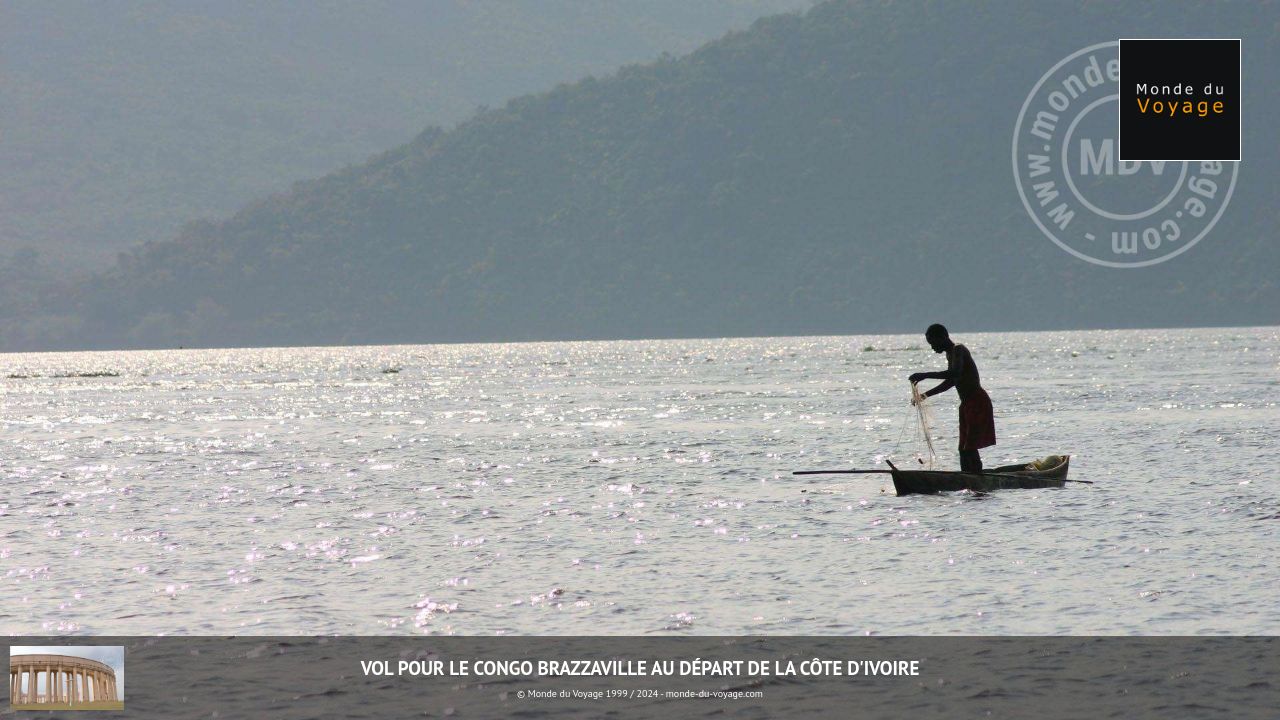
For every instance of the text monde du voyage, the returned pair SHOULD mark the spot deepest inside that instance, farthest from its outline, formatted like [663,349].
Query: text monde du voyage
[616,667]
[1179,99]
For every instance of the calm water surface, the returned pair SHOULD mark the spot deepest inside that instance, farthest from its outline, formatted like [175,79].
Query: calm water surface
[636,487]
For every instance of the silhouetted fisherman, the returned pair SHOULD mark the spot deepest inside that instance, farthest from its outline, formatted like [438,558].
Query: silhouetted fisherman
[977,419]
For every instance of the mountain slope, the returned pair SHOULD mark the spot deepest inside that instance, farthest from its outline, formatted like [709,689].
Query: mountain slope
[844,171]
[124,121]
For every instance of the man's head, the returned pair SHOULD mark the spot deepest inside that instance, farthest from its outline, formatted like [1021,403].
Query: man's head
[938,338]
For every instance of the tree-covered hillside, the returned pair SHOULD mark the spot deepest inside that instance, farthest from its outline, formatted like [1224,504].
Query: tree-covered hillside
[122,121]
[842,171]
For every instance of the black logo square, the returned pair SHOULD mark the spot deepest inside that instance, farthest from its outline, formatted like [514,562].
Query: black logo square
[1179,99]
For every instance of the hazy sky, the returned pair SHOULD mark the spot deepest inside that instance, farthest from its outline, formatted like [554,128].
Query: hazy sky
[124,121]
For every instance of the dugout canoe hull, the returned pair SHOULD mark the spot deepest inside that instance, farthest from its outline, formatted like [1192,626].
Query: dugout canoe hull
[1008,477]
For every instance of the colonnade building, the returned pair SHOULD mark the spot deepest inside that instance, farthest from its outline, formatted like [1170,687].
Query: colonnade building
[65,679]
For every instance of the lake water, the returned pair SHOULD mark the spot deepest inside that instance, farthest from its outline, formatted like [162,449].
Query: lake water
[637,488]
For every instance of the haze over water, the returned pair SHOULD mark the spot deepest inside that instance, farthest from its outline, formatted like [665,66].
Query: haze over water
[637,487]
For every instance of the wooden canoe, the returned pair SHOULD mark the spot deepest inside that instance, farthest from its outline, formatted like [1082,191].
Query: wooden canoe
[909,482]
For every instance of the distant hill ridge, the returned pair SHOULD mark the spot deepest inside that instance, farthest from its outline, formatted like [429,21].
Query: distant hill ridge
[842,171]
[123,121]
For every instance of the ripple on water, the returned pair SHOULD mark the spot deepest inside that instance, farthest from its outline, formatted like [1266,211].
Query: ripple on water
[635,487]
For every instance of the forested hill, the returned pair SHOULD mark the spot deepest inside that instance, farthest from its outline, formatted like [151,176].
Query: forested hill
[842,171]
[120,121]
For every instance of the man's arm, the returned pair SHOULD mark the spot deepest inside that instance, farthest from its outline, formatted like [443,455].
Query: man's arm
[942,387]
[955,363]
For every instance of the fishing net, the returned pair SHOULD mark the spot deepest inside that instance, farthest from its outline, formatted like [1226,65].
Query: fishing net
[925,454]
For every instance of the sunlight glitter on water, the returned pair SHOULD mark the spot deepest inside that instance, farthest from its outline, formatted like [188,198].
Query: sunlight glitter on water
[646,483]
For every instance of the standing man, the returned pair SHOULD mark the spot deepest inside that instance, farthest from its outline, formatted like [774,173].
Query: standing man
[977,419]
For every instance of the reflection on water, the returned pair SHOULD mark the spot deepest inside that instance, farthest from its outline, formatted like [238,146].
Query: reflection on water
[635,488]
